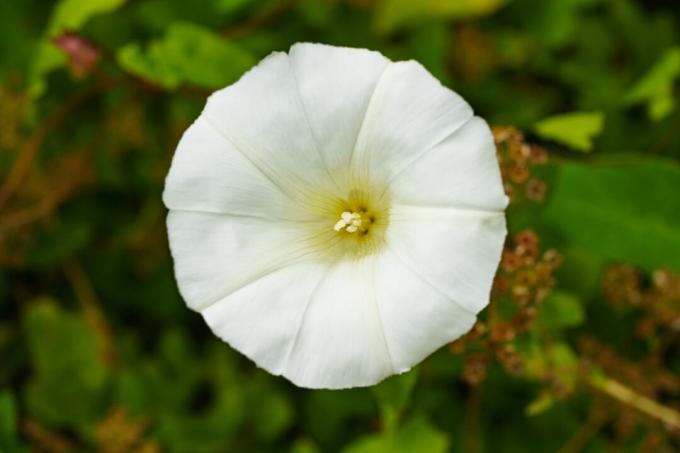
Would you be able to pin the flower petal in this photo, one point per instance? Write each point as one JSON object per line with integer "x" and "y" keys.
{"x": 263, "y": 117}
{"x": 456, "y": 251}
{"x": 316, "y": 325}
{"x": 410, "y": 112}
{"x": 216, "y": 254}
{"x": 262, "y": 319}
{"x": 208, "y": 174}
{"x": 460, "y": 171}
{"x": 341, "y": 343}
{"x": 335, "y": 85}
{"x": 418, "y": 319}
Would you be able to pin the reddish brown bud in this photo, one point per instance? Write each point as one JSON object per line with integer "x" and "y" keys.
{"x": 538, "y": 155}
{"x": 83, "y": 55}
{"x": 518, "y": 173}
{"x": 474, "y": 369}
{"x": 535, "y": 190}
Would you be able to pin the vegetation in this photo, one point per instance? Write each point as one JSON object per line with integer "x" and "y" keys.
{"x": 578, "y": 350}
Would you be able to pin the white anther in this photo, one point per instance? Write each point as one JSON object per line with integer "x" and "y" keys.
{"x": 349, "y": 221}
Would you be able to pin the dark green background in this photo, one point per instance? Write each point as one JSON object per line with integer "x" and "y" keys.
{"x": 99, "y": 353}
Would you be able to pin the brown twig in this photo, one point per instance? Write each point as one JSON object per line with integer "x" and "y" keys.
{"x": 27, "y": 154}
{"x": 630, "y": 397}
{"x": 92, "y": 310}
{"x": 579, "y": 440}
{"x": 472, "y": 418}
{"x": 43, "y": 439}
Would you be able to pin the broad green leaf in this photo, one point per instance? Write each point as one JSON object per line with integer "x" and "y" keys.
{"x": 655, "y": 88}
{"x": 576, "y": 129}
{"x": 625, "y": 211}
{"x": 69, "y": 373}
{"x": 391, "y": 14}
{"x": 560, "y": 310}
{"x": 68, "y": 15}
{"x": 189, "y": 54}
{"x": 416, "y": 435}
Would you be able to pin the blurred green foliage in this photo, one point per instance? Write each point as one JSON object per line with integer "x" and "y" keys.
{"x": 98, "y": 351}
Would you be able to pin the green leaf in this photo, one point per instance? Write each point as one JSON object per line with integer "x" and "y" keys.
{"x": 189, "y": 54}
{"x": 70, "y": 375}
{"x": 272, "y": 412}
{"x": 563, "y": 359}
{"x": 625, "y": 211}
{"x": 391, "y": 14}
{"x": 68, "y": 15}
{"x": 304, "y": 446}
{"x": 416, "y": 435}
{"x": 231, "y": 6}
{"x": 655, "y": 88}
{"x": 55, "y": 246}
{"x": 542, "y": 403}
{"x": 557, "y": 22}
{"x": 393, "y": 395}
{"x": 576, "y": 129}
{"x": 560, "y": 310}
{"x": 8, "y": 424}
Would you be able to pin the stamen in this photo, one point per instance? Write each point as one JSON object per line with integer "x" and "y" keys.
{"x": 350, "y": 222}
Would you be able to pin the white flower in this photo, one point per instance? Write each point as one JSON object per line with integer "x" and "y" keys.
{"x": 336, "y": 217}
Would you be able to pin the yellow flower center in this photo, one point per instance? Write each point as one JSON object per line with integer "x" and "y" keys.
{"x": 353, "y": 225}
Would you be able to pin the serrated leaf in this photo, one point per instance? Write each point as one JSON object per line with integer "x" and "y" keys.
{"x": 189, "y": 54}
{"x": 575, "y": 130}
{"x": 625, "y": 211}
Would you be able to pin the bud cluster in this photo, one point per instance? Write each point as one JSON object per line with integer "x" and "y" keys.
{"x": 524, "y": 278}
{"x": 516, "y": 159}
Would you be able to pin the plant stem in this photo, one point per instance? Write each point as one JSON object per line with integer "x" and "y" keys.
{"x": 628, "y": 396}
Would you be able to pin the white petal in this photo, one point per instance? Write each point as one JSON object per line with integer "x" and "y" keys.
{"x": 216, "y": 254}
{"x": 409, "y": 113}
{"x": 262, "y": 319}
{"x": 209, "y": 174}
{"x": 456, "y": 251}
{"x": 461, "y": 171}
{"x": 262, "y": 116}
{"x": 418, "y": 318}
{"x": 336, "y": 84}
{"x": 341, "y": 343}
